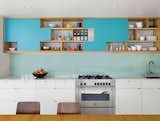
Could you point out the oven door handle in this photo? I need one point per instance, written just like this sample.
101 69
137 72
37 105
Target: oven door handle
104 92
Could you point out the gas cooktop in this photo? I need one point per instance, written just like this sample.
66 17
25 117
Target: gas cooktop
94 77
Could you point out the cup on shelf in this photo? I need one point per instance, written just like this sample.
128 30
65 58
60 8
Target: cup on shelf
151 38
152 48
133 48
139 24
142 38
138 47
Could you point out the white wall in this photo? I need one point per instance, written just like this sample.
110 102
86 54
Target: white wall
4 65
88 8
4 59
1 35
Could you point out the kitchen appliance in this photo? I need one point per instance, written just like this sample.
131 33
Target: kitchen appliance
96 94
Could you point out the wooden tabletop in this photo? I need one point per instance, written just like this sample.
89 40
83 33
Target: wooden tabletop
80 118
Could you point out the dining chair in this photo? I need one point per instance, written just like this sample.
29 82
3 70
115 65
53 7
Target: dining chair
28 108
68 108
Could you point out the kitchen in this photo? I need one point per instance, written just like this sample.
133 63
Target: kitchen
106 62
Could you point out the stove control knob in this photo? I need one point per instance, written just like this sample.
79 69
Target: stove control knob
84 83
95 84
103 84
81 84
100 83
106 83
109 83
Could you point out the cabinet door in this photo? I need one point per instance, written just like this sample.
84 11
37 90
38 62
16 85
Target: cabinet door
8 101
47 99
150 101
128 101
112 30
25 95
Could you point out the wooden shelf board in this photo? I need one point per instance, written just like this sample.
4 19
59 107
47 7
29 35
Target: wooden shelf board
140 41
143 28
140 52
94 51
63 41
65 28
41 51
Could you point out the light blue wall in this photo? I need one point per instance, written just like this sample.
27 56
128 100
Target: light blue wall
106 30
26 32
83 63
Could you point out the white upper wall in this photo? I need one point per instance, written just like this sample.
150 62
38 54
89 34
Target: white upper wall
77 8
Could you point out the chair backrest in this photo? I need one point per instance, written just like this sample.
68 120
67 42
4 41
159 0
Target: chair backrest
28 108
68 108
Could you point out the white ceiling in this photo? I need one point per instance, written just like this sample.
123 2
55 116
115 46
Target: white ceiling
76 8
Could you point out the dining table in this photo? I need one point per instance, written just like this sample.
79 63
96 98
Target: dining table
78 117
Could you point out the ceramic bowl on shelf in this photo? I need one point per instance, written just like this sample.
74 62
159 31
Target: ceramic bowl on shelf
53 25
131 26
46 48
69 25
12 49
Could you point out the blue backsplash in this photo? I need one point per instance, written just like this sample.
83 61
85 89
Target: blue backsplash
83 63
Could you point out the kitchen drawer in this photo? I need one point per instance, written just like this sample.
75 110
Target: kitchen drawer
4 84
21 84
65 93
45 83
151 83
65 83
128 83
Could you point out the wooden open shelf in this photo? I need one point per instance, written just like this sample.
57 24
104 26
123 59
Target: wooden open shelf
8 45
149 24
68 52
62 21
149 31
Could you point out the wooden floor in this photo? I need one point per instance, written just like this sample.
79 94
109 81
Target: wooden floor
80 118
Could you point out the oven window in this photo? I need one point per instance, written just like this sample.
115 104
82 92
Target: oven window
95 97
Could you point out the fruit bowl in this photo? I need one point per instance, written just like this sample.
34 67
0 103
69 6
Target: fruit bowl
40 73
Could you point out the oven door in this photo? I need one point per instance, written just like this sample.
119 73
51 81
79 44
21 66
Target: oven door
96 98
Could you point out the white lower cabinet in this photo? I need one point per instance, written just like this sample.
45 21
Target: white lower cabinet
46 97
49 99
128 101
7 101
48 92
151 101
138 97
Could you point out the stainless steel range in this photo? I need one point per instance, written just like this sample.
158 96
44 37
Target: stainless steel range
96 94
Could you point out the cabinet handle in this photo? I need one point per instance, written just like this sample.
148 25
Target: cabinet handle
138 88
